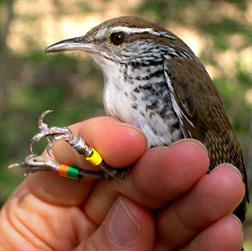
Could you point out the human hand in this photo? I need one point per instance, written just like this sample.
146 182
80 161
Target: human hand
168 202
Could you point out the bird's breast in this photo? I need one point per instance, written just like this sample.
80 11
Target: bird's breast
144 101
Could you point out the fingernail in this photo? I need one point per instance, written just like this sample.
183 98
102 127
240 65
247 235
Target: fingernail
129 126
236 218
191 141
235 169
227 165
125 124
123 229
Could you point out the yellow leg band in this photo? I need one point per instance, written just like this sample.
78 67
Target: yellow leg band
95 159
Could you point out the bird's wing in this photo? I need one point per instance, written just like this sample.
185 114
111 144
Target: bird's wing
201 112
196 96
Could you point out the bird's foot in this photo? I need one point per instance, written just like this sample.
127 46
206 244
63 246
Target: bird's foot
55 134
35 163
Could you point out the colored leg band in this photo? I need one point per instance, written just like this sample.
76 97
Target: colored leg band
95 159
69 171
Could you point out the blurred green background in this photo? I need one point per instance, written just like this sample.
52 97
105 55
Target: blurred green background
219 32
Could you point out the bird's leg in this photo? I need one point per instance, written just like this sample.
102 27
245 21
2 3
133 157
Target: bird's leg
53 134
36 163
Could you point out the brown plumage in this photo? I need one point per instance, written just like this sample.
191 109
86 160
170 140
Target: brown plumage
201 103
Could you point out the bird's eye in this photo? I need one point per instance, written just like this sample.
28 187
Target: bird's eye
117 38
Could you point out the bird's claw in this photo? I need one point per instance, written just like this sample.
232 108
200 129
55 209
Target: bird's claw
34 163
52 134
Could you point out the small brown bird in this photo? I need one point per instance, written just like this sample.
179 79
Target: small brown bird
154 81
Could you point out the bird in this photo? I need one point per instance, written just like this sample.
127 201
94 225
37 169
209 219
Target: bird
154 81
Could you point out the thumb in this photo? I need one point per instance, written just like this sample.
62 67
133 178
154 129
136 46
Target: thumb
127 226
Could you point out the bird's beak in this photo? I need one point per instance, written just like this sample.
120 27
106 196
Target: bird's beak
72 44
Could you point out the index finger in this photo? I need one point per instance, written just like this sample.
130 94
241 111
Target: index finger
119 144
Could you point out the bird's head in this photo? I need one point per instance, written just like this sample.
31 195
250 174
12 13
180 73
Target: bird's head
122 40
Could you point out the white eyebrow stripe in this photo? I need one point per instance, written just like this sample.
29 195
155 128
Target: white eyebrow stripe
141 30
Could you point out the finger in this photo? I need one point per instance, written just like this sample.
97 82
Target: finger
28 223
225 235
160 176
119 144
215 196
127 226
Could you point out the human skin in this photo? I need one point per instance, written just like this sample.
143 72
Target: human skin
168 202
